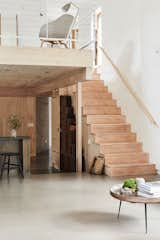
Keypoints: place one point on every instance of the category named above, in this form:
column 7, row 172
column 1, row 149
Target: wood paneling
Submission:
column 24, row 108
column 31, row 76
column 53, row 57
column 17, row 92
column 79, row 126
column 56, row 131
column 65, row 80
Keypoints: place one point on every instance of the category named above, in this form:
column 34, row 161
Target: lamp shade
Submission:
column 66, row 7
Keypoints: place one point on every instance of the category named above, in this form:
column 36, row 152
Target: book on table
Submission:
column 149, row 189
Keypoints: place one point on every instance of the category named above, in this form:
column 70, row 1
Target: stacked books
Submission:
column 149, row 190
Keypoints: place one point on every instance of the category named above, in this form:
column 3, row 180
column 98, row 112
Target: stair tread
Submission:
column 101, row 93
column 109, row 124
column 98, row 97
column 95, row 102
column 130, row 165
column 105, row 115
column 115, row 134
column 101, row 109
column 126, row 158
column 100, row 88
column 122, row 143
column 93, row 80
column 125, row 154
column 103, row 105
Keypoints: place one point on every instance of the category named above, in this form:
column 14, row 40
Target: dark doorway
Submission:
column 67, row 135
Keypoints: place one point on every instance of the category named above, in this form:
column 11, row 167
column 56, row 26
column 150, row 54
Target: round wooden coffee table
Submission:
column 115, row 192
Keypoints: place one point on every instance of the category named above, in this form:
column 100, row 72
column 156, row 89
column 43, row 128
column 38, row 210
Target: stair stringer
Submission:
column 91, row 148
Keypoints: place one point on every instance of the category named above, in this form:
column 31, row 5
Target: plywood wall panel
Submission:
column 25, row 109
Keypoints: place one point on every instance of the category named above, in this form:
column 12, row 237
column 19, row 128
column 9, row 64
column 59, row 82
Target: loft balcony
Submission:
column 28, row 70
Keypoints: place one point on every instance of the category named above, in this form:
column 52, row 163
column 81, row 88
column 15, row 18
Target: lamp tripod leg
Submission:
column 146, row 218
column 119, row 210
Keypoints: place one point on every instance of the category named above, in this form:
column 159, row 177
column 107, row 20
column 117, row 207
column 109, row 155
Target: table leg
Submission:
column 146, row 219
column 119, row 210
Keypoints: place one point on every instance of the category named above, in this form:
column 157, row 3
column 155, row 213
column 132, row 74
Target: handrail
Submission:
column 131, row 91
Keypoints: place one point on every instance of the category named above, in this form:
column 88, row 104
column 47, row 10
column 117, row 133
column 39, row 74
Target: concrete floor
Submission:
column 68, row 206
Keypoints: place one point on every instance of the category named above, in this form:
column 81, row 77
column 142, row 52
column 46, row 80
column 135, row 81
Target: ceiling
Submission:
column 30, row 76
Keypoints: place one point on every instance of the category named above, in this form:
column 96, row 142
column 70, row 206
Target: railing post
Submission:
column 17, row 30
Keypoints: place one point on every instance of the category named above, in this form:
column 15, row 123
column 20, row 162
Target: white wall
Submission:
column 131, row 37
column 29, row 21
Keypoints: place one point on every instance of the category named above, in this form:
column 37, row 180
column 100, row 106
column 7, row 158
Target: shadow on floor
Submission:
column 41, row 164
column 95, row 217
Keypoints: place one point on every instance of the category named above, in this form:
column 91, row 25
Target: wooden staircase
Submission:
column 112, row 135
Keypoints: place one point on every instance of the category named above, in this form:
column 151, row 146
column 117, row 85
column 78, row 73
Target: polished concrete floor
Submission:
column 69, row 206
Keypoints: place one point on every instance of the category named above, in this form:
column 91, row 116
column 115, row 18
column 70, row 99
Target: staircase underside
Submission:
column 39, row 71
column 113, row 137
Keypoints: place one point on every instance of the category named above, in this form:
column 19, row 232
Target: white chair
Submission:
column 57, row 32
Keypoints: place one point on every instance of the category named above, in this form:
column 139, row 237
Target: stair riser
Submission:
column 121, row 160
column 100, row 110
column 99, row 102
column 94, row 95
column 117, row 138
column 121, row 149
column 99, row 131
column 98, row 89
column 123, row 155
column 130, row 171
column 93, row 84
column 105, row 120
column 126, row 161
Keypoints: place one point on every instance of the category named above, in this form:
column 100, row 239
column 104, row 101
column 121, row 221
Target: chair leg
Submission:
column 42, row 42
column 20, row 164
column 65, row 44
column 3, row 164
column 21, row 167
column 8, row 166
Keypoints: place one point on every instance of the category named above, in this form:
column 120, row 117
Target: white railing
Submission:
column 18, row 37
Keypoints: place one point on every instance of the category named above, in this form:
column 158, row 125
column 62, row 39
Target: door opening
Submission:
column 67, row 135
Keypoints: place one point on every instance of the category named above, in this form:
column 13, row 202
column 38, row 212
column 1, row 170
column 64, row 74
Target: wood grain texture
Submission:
column 17, row 92
column 56, row 130
column 57, row 57
column 63, row 81
column 31, row 76
column 79, row 127
column 115, row 192
column 24, row 108
column 107, row 133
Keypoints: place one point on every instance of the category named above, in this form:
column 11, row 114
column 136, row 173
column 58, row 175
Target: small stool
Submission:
column 8, row 165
